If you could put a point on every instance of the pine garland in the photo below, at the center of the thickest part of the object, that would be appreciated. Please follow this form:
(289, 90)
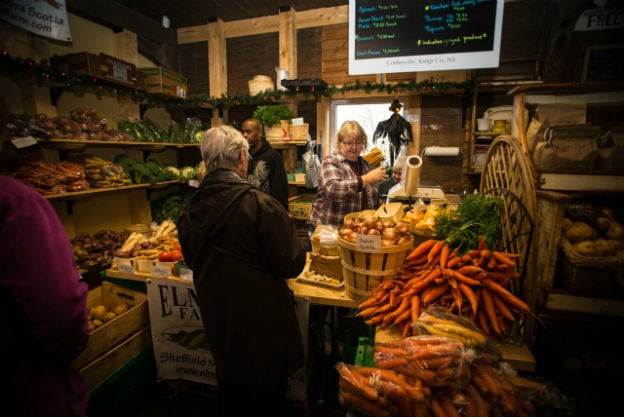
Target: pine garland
(46, 74)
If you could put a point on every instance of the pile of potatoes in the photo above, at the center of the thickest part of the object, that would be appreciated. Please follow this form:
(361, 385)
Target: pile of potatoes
(99, 314)
(603, 237)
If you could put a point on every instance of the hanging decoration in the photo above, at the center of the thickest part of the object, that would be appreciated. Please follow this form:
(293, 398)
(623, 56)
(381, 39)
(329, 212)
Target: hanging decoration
(396, 129)
(46, 74)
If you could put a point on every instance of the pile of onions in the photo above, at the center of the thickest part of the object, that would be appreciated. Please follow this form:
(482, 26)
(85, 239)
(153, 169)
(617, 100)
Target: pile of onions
(391, 234)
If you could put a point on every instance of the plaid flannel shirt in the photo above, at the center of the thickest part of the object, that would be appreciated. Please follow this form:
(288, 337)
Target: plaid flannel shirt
(340, 191)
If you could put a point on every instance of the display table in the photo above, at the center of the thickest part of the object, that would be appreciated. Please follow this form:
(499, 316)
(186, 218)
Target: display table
(518, 356)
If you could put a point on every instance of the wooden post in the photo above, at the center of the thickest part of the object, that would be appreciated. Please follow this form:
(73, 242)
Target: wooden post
(217, 58)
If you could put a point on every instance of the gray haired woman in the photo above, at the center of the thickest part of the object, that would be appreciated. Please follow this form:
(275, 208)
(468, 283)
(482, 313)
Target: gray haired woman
(242, 246)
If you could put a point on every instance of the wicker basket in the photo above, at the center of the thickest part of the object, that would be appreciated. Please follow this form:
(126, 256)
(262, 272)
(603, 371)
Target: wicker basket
(359, 216)
(363, 271)
(259, 83)
(299, 132)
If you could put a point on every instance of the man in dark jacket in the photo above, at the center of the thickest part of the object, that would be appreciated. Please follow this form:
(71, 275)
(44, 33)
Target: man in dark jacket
(266, 169)
(242, 247)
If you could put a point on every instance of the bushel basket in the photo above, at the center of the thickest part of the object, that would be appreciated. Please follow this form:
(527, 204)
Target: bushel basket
(363, 271)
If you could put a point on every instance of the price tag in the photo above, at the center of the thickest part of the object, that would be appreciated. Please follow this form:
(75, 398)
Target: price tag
(23, 142)
(186, 274)
(367, 242)
(161, 271)
(125, 268)
(193, 183)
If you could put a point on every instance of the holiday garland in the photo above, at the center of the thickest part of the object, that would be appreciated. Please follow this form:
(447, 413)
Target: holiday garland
(46, 74)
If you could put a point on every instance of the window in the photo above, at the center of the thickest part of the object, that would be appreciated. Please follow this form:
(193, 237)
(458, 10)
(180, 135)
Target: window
(368, 113)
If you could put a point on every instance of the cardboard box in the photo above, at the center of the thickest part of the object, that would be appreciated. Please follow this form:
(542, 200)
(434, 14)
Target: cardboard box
(115, 332)
(123, 72)
(160, 80)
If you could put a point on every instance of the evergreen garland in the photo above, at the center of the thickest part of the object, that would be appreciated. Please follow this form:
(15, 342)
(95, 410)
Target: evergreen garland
(46, 74)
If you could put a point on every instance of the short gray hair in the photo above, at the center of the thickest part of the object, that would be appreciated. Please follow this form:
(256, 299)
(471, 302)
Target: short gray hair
(220, 147)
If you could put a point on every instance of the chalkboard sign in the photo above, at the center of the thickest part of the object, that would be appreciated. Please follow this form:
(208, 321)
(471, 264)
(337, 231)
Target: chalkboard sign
(388, 36)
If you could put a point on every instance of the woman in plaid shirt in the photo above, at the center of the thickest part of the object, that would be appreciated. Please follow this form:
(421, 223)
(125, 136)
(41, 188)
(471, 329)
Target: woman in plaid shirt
(346, 182)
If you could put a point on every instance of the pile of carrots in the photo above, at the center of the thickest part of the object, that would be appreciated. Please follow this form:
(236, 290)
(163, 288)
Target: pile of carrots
(475, 285)
(466, 384)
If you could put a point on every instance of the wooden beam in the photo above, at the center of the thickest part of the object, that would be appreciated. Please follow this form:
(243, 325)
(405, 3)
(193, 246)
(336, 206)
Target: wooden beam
(217, 58)
(246, 27)
(288, 42)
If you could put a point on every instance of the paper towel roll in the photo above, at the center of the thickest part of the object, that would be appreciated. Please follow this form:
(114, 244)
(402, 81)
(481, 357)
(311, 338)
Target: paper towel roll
(412, 174)
(442, 151)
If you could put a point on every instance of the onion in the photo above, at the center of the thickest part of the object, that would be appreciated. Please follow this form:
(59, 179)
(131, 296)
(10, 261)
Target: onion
(373, 232)
(370, 222)
(389, 234)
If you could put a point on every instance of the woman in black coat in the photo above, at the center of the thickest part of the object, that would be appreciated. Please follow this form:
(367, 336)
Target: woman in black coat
(242, 247)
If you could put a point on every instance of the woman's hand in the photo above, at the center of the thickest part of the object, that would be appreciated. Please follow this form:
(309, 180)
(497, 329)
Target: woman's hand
(374, 176)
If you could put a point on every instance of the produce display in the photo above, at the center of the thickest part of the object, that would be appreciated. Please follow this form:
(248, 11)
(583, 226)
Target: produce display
(99, 314)
(430, 375)
(475, 285)
(54, 178)
(97, 250)
(138, 246)
(594, 231)
(391, 233)
(82, 124)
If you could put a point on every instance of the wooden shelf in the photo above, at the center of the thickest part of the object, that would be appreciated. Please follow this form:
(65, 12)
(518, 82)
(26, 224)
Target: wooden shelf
(594, 183)
(92, 191)
(70, 144)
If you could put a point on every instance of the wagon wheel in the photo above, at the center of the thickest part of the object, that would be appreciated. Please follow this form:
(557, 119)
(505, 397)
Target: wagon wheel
(507, 173)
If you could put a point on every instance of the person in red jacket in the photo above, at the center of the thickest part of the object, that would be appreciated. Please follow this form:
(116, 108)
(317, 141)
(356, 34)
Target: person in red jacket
(43, 308)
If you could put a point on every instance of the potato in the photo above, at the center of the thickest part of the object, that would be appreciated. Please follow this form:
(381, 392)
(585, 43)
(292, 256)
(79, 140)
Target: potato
(121, 308)
(580, 231)
(109, 316)
(98, 312)
(567, 223)
(97, 323)
(586, 248)
(602, 247)
(615, 231)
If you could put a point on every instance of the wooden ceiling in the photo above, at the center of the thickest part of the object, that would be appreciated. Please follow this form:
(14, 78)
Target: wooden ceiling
(187, 13)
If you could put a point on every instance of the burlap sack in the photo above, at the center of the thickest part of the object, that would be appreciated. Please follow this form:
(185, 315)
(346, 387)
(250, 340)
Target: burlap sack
(567, 149)
(557, 114)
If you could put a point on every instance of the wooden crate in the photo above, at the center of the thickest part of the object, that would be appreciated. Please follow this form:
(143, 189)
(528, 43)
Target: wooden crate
(108, 336)
(104, 366)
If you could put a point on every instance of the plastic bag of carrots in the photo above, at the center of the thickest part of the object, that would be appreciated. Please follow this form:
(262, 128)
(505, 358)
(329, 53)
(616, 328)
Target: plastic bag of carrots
(436, 361)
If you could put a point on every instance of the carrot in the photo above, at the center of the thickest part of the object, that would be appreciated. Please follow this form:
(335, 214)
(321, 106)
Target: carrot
(390, 363)
(491, 263)
(454, 261)
(398, 395)
(404, 316)
(375, 320)
(457, 297)
(407, 327)
(461, 277)
(389, 318)
(444, 255)
(366, 406)
(481, 243)
(506, 295)
(482, 320)
(448, 406)
(357, 381)
(490, 311)
(502, 307)
(493, 386)
(469, 294)
(424, 283)
(421, 249)
(414, 308)
(503, 258)
(435, 251)
(480, 404)
(502, 275)
(436, 407)
(433, 293)
(367, 312)
(469, 270)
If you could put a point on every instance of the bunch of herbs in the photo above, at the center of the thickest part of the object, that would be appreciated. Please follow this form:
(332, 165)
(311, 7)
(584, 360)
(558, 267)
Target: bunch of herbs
(476, 215)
